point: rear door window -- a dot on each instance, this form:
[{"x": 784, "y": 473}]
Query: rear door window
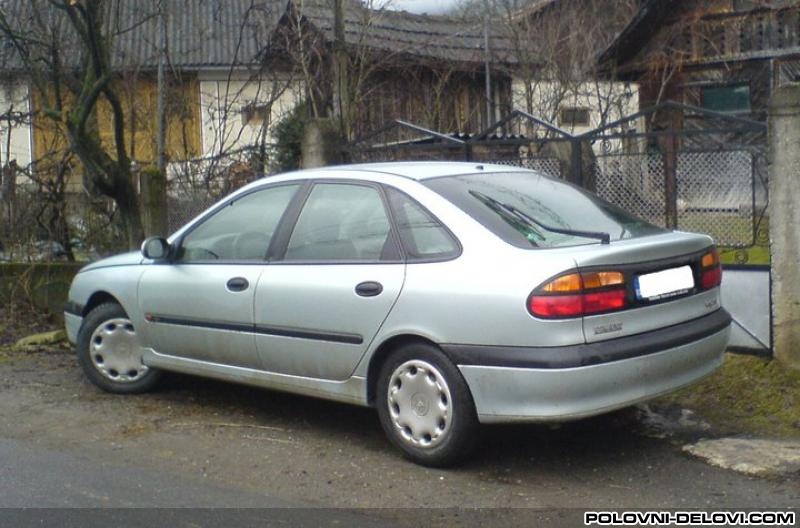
[{"x": 522, "y": 208}]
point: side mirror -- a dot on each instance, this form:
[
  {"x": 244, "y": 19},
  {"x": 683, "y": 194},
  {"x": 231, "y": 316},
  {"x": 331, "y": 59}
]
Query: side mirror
[{"x": 155, "y": 248}]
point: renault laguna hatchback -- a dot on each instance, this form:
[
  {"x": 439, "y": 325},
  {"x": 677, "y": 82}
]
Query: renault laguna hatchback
[{"x": 444, "y": 294}]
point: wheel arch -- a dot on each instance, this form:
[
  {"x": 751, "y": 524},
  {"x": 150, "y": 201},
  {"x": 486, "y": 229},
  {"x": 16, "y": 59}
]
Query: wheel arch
[
  {"x": 382, "y": 353},
  {"x": 96, "y": 299}
]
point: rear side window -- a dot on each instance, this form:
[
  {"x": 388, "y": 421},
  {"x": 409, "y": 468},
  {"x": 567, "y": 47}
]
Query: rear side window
[
  {"x": 523, "y": 208},
  {"x": 423, "y": 236},
  {"x": 342, "y": 222}
]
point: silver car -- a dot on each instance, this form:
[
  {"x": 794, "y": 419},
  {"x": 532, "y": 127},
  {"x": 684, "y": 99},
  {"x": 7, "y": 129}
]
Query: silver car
[{"x": 444, "y": 294}]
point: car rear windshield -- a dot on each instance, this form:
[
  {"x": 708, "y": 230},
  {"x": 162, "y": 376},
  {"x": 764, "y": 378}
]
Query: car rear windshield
[{"x": 524, "y": 209}]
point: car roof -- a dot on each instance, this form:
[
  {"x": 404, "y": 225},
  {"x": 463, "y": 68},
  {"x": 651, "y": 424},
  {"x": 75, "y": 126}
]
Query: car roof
[{"x": 423, "y": 170}]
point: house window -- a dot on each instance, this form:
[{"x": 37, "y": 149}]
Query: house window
[
  {"x": 571, "y": 116},
  {"x": 732, "y": 98},
  {"x": 255, "y": 114},
  {"x": 744, "y": 5}
]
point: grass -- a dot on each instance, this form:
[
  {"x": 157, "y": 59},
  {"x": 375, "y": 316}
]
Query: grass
[
  {"x": 755, "y": 254},
  {"x": 748, "y": 395},
  {"x": 750, "y": 255}
]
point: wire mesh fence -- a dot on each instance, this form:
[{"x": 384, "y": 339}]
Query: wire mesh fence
[
  {"x": 195, "y": 185},
  {"x": 549, "y": 166},
  {"x": 715, "y": 195},
  {"x": 714, "y": 191},
  {"x": 634, "y": 182}
]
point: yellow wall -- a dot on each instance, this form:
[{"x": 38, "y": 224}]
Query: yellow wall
[{"x": 139, "y": 100}]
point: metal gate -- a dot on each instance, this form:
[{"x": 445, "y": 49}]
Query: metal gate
[{"x": 674, "y": 165}]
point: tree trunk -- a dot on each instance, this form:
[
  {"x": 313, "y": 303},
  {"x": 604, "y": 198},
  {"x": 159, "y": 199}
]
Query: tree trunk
[{"x": 131, "y": 219}]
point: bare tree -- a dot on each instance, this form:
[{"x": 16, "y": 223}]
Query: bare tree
[
  {"x": 69, "y": 92},
  {"x": 556, "y": 46}
]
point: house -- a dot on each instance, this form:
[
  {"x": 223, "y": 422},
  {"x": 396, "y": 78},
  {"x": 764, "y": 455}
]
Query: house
[
  {"x": 234, "y": 68},
  {"x": 556, "y": 75},
  {"x": 720, "y": 55}
]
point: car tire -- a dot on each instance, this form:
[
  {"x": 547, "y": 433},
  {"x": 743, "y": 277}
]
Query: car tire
[
  {"x": 109, "y": 352},
  {"x": 425, "y": 406}
]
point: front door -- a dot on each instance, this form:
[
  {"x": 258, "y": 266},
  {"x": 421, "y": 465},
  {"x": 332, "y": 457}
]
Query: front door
[{"x": 200, "y": 304}]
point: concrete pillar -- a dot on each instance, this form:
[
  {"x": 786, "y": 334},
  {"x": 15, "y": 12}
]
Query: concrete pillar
[
  {"x": 321, "y": 145},
  {"x": 784, "y": 222}
]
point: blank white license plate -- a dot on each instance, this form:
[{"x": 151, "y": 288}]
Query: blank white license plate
[{"x": 664, "y": 283}]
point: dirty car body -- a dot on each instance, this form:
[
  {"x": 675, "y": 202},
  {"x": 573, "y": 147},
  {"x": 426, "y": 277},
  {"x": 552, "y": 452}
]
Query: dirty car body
[{"x": 445, "y": 294}]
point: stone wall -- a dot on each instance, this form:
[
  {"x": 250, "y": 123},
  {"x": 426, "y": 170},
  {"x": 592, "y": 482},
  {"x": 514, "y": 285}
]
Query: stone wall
[{"x": 45, "y": 285}]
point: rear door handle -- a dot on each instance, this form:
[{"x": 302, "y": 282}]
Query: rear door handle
[
  {"x": 237, "y": 284},
  {"x": 369, "y": 289}
]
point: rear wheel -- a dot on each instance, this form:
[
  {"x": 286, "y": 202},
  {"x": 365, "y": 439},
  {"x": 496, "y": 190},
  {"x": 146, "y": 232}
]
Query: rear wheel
[
  {"x": 425, "y": 406},
  {"x": 110, "y": 353}
]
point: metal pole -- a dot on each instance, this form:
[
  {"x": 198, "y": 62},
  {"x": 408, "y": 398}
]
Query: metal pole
[
  {"x": 487, "y": 68},
  {"x": 161, "y": 104}
]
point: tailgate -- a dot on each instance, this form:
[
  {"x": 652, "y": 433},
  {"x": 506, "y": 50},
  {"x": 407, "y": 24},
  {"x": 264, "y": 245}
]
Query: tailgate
[{"x": 662, "y": 275}]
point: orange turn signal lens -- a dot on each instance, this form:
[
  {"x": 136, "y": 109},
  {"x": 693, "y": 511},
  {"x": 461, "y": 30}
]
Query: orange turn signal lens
[
  {"x": 601, "y": 279},
  {"x": 564, "y": 284},
  {"x": 710, "y": 259}
]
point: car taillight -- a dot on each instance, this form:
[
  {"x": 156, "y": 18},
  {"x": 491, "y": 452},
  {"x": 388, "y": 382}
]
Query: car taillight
[
  {"x": 577, "y": 294},
  {"x": 711, "y": 273}
]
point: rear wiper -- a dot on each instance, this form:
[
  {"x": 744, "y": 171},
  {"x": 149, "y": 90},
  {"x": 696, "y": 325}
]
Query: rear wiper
[{"x": 604, "y": 238}]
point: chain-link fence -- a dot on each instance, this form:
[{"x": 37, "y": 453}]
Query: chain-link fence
[
  {"x": 714, "y": 191},
  {"x": 549, "y": 166},
  {"x": 715, "y": 195},
  {"x": 634, "y": 182},
  {"x": 38, "y": 224},
  {"x": 47, "y": 213},
  {"x": 708, "y": 176},
  {"x": 194, "y": 185}
]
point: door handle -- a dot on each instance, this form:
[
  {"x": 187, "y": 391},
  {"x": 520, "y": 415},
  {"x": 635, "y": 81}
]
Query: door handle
[
  {"x": 237, "y": 284},
  {"x": 369, "y": 289}
]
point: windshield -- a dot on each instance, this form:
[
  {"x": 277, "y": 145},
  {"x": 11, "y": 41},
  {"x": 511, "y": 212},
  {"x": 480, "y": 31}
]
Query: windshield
[{"x": 529, "y": 209}]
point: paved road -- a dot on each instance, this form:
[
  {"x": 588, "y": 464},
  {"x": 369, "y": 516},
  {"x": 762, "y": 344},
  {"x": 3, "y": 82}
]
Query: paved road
[
  {"x": 201, "y": 443},
  {"x": 50, "y": 487}
]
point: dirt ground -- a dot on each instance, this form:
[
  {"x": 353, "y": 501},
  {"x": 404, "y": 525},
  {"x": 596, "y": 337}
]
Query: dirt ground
[
  {"x": 19, "y": 320},
  {"x": 330, "y": 454}
]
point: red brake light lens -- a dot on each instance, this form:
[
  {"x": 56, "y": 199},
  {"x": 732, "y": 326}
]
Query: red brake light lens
[
  {"x": 603, "y": 301},
  {"x": 711, "y": 274},
  {"x": 556, "y": 305}
]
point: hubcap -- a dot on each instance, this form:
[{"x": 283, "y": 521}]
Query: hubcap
[
  {"x": 115, "y": 351},
  {"x": 419, "y": 403}
]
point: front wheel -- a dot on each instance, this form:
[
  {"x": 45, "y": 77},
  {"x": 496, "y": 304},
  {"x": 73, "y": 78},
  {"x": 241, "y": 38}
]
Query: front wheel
[
  {"x": 425, "y": 406},
  {"x": 110, "y": 354}
]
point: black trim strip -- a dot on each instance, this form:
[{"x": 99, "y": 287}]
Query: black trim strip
[
  {"x": 283, "y": 331},
  {"x": 73, "y": 308},
  {"x": 587, "y": 354},
  {"x": 198, "y": 323},
  {"x": 746, "y": 267},
  {"x": 303, "y": 333}
]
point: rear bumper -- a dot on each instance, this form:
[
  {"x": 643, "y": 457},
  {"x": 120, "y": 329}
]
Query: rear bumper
[{"x": 505, "y": 393}]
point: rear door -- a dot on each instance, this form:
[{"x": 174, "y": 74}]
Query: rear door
[
  {"x": 319, "y": 305},
  {"x": 200, "y": 305}
]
